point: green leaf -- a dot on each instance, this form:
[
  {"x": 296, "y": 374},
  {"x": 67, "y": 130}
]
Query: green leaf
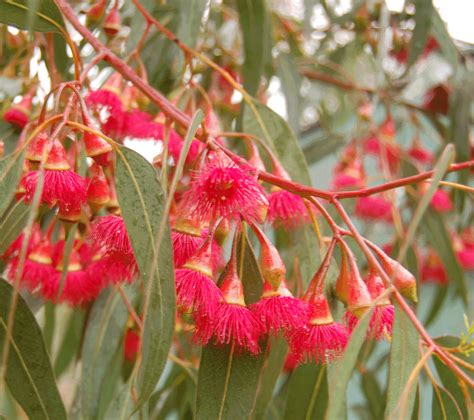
[
  {"x": 436, "y": 304},
  {"x": 404, "y": 356},
  {"x": 268, "y": 378},
  {"x": 29, "y": 374},
  {"x": 250, "y": 273},
  {"x": 13, "y": 223},
  {"x": 253, "y": 16},
  {"x": 437, "y": 234},
  {"x": 307, "y": 393},
  {"x": 10, "y": 173},
  {"x": 423, "y": 13},
  {"x": 190, "y": 14},
  {"x": 69, "y": 346},
  {"x": 342, "y": 370},
  {"x": 16, "y": 13},
  {"x": 105, "y": 329},
  {"x": 141, "y": 199},
  {"x": 444, "y": 406},
  {"x": 373, "y": 393},
  {"x": 291, "y": 84},
  {"x": 449, "y": 380},
  {"x": 445, "y": 41},
  {"x": 227, "y": 383}
]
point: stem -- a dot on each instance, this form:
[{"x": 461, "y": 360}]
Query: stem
[{"x": 446, "y": 358}]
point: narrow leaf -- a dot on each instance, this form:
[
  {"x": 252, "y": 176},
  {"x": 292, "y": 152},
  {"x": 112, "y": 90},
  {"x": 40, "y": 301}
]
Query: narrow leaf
[
  {"x": 404, "y": 356},
  {"x": 10, "y": 173},
  {"x": 105, "y": 328},
  {"x": 343, "y": 368},
  {"x": 445, "y": 41},
  {"x": 444, "y": 406},
  {"x": 308, "y": 393},
  {"x": 141, "y": 199},
  {"x": 253, "y": 17},
  {"x": 13, "y": 223},
  {"x": 29, "y": 374},
  {"x": 16, "y": 13},
  {"x": 423, "y": 13}
]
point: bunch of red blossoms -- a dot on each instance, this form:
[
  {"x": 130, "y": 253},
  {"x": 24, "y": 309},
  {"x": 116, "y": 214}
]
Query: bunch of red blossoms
[{"x": 219, "y": 197}]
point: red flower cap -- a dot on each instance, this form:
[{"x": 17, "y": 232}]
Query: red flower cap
[
  {"x": 437, "y": 100},
  {"x": 272, "y": 266},
  {"x": 112, "y": 23},
  {"x": 36, "y": 148},
  {"x": 97, "y": 148},
  {"x": 350, "y": 288},
  {"x": 98, "y": 192},
  {"x": 96, "y": 12},
  {"x": 19, "y": 114},
  {"x": 221, "y": 188}
]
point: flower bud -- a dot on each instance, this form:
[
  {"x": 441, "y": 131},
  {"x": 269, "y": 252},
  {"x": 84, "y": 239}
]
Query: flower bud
[
  {"x": 96, "y": 12},
  {"x": 19, "y": 114},
  {"x": 112, "y": 23},
  {"x": 271, "y": 264},
  {"x": 97, "y": 148},
  {"x": 98, "y": 193}
]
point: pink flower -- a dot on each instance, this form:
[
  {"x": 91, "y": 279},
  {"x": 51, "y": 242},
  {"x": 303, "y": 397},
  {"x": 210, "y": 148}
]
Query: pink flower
[
  {"x": 131, "y": 345},
  {"x": 433, "y": 270},
  {"x": 381, "y": 322},
  {"x": 441, "y": 201},
  {"x": 113, "y": 120},
  {"x": 279, "y": 310},
  {"x": 286, "y": 210},
  {"x": 321, "y": 339},
  {"x": 466, "y": 258},
  {"x": 374, "y": 208},
  {"x": 222, "y": 188},
  {"x": 423, "y": 156},
  {"x": 19, "y": 114}
]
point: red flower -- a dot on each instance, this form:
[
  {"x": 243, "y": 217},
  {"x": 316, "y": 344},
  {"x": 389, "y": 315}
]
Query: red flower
[
  {"x": 98, "y": 191},
  {"x": 286, "y": 210},
  {"x": 19, "y": 114},
  {"x": 433, "y": 269},
  {"x": 279, "y": 310},
  {"x": 322, "y": 339},
  {"x": 374, "y": 208},
  {"x": 441, "y": 201},
  {"x": 110, "y": 236},
  {"x": 222, "y": 188},
  {"x": 466, "y": 258},
  {"x": 232, "y": 322},
  {"x": 131, "y": 345},
  {"x": 61, "y": 186},
  {"x": 437, "y": 100},
  {"x": 112, "y": 119},
  {"x": 420, "y": 154}
]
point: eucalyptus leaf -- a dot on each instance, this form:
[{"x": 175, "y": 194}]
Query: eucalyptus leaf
[
  {"x": 141, "y": 199},
  {"x": 423, "y": 13},
  {"x": 12, "y": 224},
  {"x": 28, "y": 374},
  {"x": 404, "y": 356},
  {"x": 10, "y": 173}
]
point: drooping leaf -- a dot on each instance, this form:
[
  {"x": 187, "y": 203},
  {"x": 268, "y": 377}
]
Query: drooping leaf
[
  {"x": 423, "y": 13},
  {"x": 10, "y": 173},
  {"x": 373, "y": 394},
  {"x": 12, "y": 224},
  {"x": 227, "y": 383},
  {"x": 449, "y": 380},
  {"x": 251, "y": 275},
  {"x": 16, "y": 13},
  {"x": 291, "y": 84},
  {"x": 269, "y": 376},
  {"x": 253, "y": 17},
  {"x": 404, "y": 356},
  {"x": 69, "y": 346},
  {"x": 444, "y": 406},
  {"x": 307, "y": 393},
  {"x": 141, "y": 199},
  {"x": 342, "y": 370},
  {"x": 191, "y": 13},
  {"x": 104, "y": 333},
  {"x": 29, "y": 374},
  {"x": 445, "y": 41}
]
